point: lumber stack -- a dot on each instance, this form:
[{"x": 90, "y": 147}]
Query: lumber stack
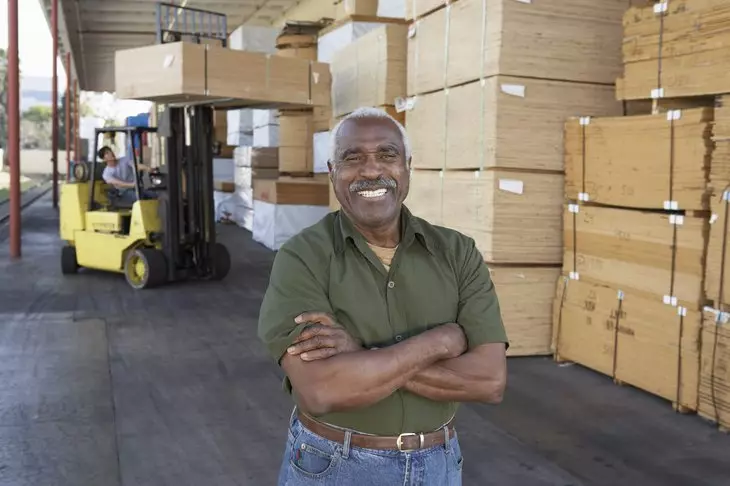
[
  {"x": 676, "y": 48},
  {"x": 645, "y": 218},
  {"x": 489, "y": 87},
  {"x": 635, "y": 238}
]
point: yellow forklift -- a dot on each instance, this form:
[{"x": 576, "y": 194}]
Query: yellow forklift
[{"x": 168, "y": 232}]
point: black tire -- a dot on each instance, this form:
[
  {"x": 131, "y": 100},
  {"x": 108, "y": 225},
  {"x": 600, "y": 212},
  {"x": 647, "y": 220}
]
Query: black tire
[
  {"x": 69, "y": 264},
  {"x": 145, "y": 268},
  {"x": 221, "y": 261}
]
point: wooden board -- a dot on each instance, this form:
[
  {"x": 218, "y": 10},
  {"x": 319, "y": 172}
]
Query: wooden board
[
  {"x": 257, "y": 157},
  {"x": 641, "y": 161},
  {"x": 528, "y": 322},
  {"x": 637, "y": 341},
  {"x": 371, "y": 71},
  {"x": 175, "y": 69},
  {"x": 185, "y": 72},
  {"x": 514, "y": 217},
  {"x": 346, "y": 8},
  {"x": 292, "y": 190},
  {"x": 714, "y": 386},
  {"x": 419, "y": 8},
  {"x": 296, "y": 152},
  {"x": 638, "y": 251},
  {"x": 512, "y": 123},
  {"x": 694, "y": 56},
  {"x": 572, "y": 40}
]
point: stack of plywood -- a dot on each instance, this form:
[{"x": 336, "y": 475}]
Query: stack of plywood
[
  {"x": 635, "y": 237},
  {"x": 490, "y": 85},
  {"x": 676, "y": 48},
  {"x": 715, "y": 367}
]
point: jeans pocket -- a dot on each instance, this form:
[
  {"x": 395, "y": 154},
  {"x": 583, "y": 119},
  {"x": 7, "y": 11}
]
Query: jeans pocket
[
  {"x": 456, "y": 458},
  {"x": 312, "y": 456}
]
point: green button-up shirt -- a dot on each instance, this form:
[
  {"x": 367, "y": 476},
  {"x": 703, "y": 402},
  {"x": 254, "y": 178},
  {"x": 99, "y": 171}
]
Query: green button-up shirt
[{"x": 437, "y": 276}]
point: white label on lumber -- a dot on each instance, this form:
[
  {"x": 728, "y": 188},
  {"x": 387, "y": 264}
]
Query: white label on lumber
[
  {"x": 525, "y": 1},
  {"x": 403, "y": 104},
  {"x": 674, "y": 115},
  {"x": 514, "y": 89},
  {"x": 412, "y": 29},
  {"x": 583, "y": 196},
  {"x": 573, "y": 208},
  {"x": 511, "y": 185},
  {"x": 169, "y": 59},
  {"x": 585, "y": 120},
  {"x": 677, "y": 219},
  {"x": 670, "y": 300},
  {"x": 574, "y": 276},
  {"x": 726, "y": 196},
  {"x": 657, "y": 93},
  {"x": 661, "y": 7},
  {"x": 671, "y": 205},
  {"x": 620, "y": 295},
  {"x": 714, "y": 218},
  {"x": 315, "y": 76},
  {"x": 682, "y": 311}
]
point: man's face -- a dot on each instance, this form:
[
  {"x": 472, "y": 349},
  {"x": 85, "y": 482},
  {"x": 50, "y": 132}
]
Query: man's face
[
  {"x": 370, "y": 173},
  {"x": 110, "y": 158}
]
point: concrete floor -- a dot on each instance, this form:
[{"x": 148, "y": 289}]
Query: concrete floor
[{"x": 106, "y": 386}]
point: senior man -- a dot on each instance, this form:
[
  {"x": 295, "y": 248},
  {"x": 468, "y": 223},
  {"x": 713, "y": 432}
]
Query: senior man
[{"x": 383, "y": 324}]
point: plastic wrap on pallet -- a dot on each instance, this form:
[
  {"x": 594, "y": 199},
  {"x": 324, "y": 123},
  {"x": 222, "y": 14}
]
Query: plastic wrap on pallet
[
  {"x": 254, "y": 39},
  {"x": 392, "y": 8},
  {"x": 266, "y": 136},
  {"x": 222, "y": 169},
  {"x": 239, "y": 127},
  {"x": 321, "y": 151},
  {"x": 274, "y": 224},
  {"x": 342, "y": 36}
]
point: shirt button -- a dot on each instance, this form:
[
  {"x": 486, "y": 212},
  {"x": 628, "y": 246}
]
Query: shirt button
[
  {"x": 391, "y": 284},
  {"x": 399, "y": 338}
]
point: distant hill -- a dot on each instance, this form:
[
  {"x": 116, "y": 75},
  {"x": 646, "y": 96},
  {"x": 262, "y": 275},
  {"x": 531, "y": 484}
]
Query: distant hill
[{"x": 35, "y": 90}]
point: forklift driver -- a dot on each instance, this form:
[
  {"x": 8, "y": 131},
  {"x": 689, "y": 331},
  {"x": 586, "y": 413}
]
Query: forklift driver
[{"x": 120, "y": 174}]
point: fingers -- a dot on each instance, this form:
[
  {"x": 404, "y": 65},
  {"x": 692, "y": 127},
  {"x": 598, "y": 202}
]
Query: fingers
[
  {"x": 315, "y": 330},
  {"x": 320, "y": 317},
  {"x": 310, "y": 344},
  {"x": 320, "y": 353}
]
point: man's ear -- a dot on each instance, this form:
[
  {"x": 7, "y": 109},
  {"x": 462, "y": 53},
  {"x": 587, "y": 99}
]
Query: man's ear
[{"x": 408, "y": 163}]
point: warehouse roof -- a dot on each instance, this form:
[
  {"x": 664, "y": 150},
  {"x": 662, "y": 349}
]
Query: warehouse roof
[{"x": 92, "y": 30}]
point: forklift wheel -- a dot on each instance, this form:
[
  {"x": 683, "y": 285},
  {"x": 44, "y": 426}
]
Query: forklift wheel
[
  {"x": 69, "y": 264},
  {"x": 221, "y": 261},
  {"x": 145, "y": 268}
]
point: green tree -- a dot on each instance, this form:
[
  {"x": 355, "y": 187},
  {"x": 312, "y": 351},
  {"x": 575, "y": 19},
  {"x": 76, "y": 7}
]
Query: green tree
[{"x": 38, "y": 114}]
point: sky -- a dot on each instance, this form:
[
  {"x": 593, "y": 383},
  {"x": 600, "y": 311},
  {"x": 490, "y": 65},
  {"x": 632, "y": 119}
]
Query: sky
[
  {"x": 35, "y": 49},
  {"x": 34, "y": 39}
]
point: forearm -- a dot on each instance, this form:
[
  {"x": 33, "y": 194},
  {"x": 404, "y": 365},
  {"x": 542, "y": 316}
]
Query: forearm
[
  {"x": 462, "y": 379},
  {"x": 359, "y": 379}
]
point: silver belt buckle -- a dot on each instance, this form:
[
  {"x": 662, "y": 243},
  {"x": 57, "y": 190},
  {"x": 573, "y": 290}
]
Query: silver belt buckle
[{"x": 399, "y": 440}]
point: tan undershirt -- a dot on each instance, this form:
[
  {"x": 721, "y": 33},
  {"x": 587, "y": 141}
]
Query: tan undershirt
[{"x": 385, "y": 255}]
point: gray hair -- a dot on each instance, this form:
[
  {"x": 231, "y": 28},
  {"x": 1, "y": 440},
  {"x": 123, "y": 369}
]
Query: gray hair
[{"x": 367, "y": 112}]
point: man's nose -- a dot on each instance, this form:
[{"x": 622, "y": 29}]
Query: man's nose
[{"x": 371, "y": 166}]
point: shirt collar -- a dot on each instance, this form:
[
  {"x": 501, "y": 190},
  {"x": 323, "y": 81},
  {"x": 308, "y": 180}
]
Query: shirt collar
[{"x": 411, "y": 229}]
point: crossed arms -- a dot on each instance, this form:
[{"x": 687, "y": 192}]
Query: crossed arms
[{"x": 330, "y": 371}]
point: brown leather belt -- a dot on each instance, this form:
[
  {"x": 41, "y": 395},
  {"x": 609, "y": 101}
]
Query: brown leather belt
[{"x": 404, "y": 442}]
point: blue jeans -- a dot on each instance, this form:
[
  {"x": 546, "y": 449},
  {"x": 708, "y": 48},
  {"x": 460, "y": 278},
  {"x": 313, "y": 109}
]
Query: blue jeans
[{"x": 310, "y": 459}]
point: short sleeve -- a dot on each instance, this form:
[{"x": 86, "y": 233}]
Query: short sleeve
[
  {"x": 479, "y": 312},
  {"x": 107, "y": 174},
  {"x": 293, "y": 289}
]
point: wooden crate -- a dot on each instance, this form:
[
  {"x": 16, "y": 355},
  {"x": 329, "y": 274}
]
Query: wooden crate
[
  {"x": 695, "y": 57},
  {"x": 514, "y": 217},
  {"x": 371, "y": 71},
  {"x": 296, "y": 152},
  {"x": 186, "y": 72},
  {"x": 572, "y": 40},
  {"x": 502, "y": 122},
  {"x": 292, "y": 190},
  {"x": 714, "y": 382},
  {"x": 638, "y": 341},
  {"x": 650, "y": 253},
  {"x": 528, "y": 322},
  {"x": 652, "y": 161}
]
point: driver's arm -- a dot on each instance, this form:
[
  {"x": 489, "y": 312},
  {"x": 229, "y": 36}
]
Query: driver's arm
[
  {"x": 119, "y": 184},
  {"x": 143, "y": 167}
]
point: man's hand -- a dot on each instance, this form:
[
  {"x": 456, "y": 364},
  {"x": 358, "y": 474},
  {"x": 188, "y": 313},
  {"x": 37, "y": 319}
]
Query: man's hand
[{"x": 323, "y": 339}]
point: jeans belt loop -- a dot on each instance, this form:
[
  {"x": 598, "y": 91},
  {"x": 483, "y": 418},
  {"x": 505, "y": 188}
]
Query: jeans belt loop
[{"x": 346, "y": 444}]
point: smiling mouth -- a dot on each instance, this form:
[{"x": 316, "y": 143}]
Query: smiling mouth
[{"x": 372, "y": 194}]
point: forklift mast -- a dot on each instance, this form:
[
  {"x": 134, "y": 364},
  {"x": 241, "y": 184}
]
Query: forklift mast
[{"x": 187, "y": 205}]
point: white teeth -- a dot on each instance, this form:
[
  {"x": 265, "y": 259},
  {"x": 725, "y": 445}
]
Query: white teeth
[{"x": 376, "y": 193}]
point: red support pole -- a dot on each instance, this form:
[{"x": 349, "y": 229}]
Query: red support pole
[
  {"x": 77, "y": 128},
  {"x": 54, "y": 100},
  {"x": 14, "y": 128},
  {"x": 68, "y": 116}
]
